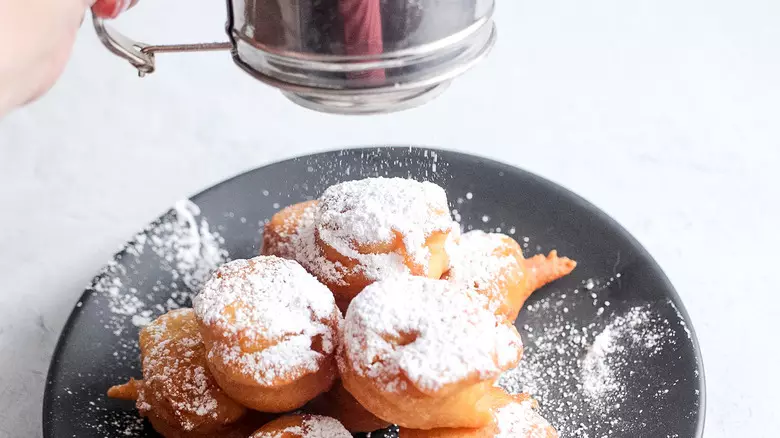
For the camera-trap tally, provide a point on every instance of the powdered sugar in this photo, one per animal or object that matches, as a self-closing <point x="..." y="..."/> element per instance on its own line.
<point x="520" y="420"/>
<point x="174" y="371"/>
<point x="579" y="373"/>
<point x="597" y="377"/>
<point x="113" y="422"/>
<point x="312" y="426"/>
<point x="290" y="359"/>
<point x="373" y="211"/>
<point x="329" y="218"/>
<point x="430" y="330"/>
<point x="302" y="247"/>
<point x="476" y="262"/>
<point x="123" y="303"/>
<point x="183" y="246"/>
<point x="316" y="426"/>
<point x="603" y="359"/>
<point x="186" y="246"/>
<point x="271" y="299"/>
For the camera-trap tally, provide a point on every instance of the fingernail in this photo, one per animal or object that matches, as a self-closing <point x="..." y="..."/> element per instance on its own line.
<point x="110" y="8"/>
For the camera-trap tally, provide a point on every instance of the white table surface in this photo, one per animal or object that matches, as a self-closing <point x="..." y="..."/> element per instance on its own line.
<point x="664" y="113"/>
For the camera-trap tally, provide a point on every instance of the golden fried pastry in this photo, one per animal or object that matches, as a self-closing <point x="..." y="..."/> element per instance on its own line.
<point x="514" y="416"/>
<point x="178" y="394"/>
<point x="270" y="329"/>
<point x="302" y="426"/>
<point x="493" y="265"/>
<point x="363" y="231"/>
<point x="425" y="353"/>
<point x="542" y="270"/>
<point x="341" y="405"/>
<point x="282" y="231"/>
<point x="291" y="234"/>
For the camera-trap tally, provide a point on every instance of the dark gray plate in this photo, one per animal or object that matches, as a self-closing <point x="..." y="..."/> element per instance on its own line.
<point x="643" y="377"/>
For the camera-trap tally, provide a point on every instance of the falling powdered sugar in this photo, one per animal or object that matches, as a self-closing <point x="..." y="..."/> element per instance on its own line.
<point x="273" y="300"/>
<point x="430" y="331"/>
<point x="360" y="214"/>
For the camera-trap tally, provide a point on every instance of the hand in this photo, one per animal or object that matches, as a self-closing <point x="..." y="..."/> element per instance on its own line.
<point x="36" y="39"/>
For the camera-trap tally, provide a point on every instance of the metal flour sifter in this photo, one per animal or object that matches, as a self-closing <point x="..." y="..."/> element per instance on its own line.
<point x="343" y="56"/>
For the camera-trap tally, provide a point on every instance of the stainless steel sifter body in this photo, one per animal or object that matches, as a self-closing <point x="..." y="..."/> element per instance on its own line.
<point x="344" y="56"/>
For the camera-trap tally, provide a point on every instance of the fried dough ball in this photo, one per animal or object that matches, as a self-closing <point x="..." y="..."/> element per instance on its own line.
<point x="302" y="426"/>
<point x="282" y="233"/>
<point x="406" y="218"/>
<point x="425" y="353"/>
<point x="270" y="329"/>
<point x="362" y="231"/>
<point x="514" y="416"/>
<point x="493" y="265"/>
<point x="178" y="394"/>
<point x="341" y="405"/>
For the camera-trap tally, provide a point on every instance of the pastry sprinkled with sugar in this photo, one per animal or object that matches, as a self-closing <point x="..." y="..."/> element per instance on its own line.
<point x="449" y="336"/>
<point x="269" y="324"/>
<point x="303" y="426"/>
<point x="477" y="261"/>
<point x="514" y="416"/>
<point x="493" y="265"/>
<point x="413" y="335"/>
<point x="521" y="420"/>
<point x="374" y="212"/>
<point x="178" y="393"/>
<point x="363" y="231"/>
<point x="291" y="234"/>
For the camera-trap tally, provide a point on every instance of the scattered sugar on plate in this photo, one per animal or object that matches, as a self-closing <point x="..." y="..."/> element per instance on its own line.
<point x="183" y="245"/>
<point x="555" y="349"/>
<point x="186" y="245"/>
<point x="579" y="373"/>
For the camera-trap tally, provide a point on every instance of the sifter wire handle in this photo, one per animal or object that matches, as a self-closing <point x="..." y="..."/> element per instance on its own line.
<point x="141" y="55"/>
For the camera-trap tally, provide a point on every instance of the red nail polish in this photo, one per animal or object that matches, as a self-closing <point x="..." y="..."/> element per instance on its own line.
<point x="110" y="8"/>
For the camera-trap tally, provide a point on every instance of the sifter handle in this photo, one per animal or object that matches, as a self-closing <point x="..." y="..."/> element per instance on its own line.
<point x="141" y="55"/>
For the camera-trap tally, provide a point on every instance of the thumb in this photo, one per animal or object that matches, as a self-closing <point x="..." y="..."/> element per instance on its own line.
<point x="111" y="8"/>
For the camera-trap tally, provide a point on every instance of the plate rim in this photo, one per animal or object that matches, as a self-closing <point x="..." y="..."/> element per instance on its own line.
<point x="467" y="157"/>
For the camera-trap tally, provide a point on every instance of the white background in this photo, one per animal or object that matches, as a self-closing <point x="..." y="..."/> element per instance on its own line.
<point x="665" y="113"/>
